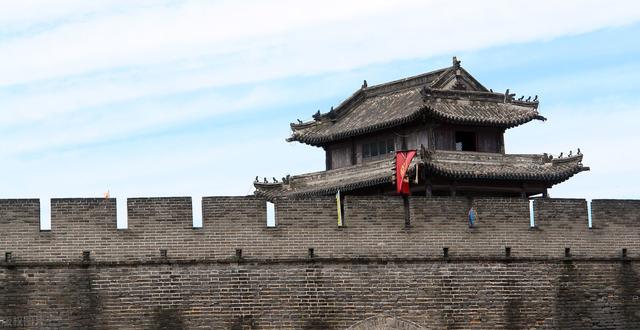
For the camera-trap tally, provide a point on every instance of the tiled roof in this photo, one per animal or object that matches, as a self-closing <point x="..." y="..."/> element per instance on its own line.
<point x="477" y="165"/>
<point x="431" y="95"/>
<point x="449" y="164"/>
<point x="329" y="182"/>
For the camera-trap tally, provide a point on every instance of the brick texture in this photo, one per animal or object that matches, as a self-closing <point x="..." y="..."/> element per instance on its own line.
<point x="379" y="266"/>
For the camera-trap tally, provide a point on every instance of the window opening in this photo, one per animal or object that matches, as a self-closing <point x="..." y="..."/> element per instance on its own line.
<point x="465" y="141"/>
<point x="378" y="147"/>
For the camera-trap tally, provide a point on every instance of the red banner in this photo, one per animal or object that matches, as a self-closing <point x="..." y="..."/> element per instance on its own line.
<point x="403" y="160"/>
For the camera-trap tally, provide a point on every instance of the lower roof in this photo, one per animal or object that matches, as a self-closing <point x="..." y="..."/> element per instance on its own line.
<point x="329" y="182"/>
<point x="455" y="165"/>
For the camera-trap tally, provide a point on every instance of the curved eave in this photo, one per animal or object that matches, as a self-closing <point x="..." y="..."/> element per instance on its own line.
<point x="272" y="194"/>
<point x="551" y="178"/>
<point x="445" y="117"/>
<point x="320" y="140"/>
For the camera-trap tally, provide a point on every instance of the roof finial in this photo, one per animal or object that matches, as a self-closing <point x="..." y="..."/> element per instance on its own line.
<point x="456" y="63"/>
<point x="364" y="84"/>
<point x="332" y="114"/>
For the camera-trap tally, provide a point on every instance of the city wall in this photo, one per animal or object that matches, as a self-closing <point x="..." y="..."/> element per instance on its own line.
<point x="412" y="265"/>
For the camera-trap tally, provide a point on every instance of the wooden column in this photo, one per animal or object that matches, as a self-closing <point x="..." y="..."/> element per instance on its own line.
<point x="431" y="144"/>
<point x="403" y="140"/>
<point x="354" y="153"/>
<point x="452" y="189"/>
<point x="327" y="157"/>
<point x="407" y="212"/>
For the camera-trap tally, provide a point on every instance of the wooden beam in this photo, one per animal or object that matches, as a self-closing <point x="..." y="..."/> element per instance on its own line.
<point x="515" y="189"/>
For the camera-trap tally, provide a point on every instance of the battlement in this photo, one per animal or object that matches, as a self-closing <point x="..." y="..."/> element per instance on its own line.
<point x="412" y="259"/>
<point x="374" y="227"/>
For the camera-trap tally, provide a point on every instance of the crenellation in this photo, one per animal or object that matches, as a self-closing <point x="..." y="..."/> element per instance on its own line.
<point x="374" y="228"/>
<point x="563" y="223"/>
<point x="619" y="218"/>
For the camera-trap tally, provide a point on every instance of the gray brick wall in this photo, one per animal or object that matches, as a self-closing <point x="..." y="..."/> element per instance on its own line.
<point x="375" y="265"/>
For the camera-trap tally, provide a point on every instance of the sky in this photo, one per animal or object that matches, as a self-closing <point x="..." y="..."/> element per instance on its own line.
<point x="194" y="98"/>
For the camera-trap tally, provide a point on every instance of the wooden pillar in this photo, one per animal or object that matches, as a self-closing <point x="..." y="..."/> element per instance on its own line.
<point x="432" y="138"/>
<point x="545" y="193"/>
<point x="523" y="190"/>
<point x="428" y="188"/>
<point x="452" y="189"/>
<point x="327" y="157"/>
<point x="407" y="212"/>
<point x="403" y="140"/>
<point x="354" y="154"/>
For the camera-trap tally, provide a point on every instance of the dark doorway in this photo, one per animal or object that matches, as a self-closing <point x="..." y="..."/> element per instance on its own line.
<point x="465" y="141"/>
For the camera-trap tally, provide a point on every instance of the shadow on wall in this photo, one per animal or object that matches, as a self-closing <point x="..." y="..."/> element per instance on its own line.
<point x="167" y="318"/>
<point x="81" y="300"/>
<point x="383" y="322"/>
<point x="573" y="305"/>
<point x="513" y="305"/>
<point x="14" y="299"/>
<point x="629" y="282"/>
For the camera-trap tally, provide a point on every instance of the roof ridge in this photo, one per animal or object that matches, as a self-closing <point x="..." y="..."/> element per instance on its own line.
<point x="567" y="159"/>
<point x="489" y="96"/>
<point x="375" y="90"/>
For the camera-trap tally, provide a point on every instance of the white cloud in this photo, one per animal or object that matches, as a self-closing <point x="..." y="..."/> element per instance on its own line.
<point x="75" y="73"/>
<point x="307" y="37"/>
<point x="118" y="55"/>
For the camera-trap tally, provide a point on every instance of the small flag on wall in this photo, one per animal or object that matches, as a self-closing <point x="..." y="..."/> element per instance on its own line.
<point x="339" y="205"/>
<point x="403" y="160"/>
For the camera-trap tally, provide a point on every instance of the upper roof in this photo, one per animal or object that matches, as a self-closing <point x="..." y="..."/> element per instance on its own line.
<point x="449" y="95"/>
<point x="458" y="165"/>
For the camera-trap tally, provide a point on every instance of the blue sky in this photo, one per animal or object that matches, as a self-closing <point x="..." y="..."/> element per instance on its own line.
<point x="193" y="98"/>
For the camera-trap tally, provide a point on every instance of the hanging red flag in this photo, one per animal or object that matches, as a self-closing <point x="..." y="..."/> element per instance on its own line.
<point x="403" y="160"/>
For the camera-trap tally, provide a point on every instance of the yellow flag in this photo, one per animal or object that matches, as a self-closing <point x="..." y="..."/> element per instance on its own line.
<point x="338" y="204"/>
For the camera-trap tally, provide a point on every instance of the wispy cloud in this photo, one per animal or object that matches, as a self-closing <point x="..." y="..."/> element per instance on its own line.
<point x="78" y="78"/>
<point x="290" y="37"/>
